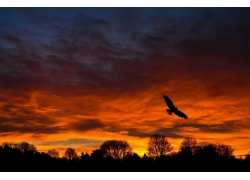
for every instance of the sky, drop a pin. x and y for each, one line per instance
(76, 77)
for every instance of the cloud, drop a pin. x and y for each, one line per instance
(87, 124)
(36, 129)
(177, 129)
(11, 38)
(72, 142)
(229, 126)
(168, 132)
(85, 59)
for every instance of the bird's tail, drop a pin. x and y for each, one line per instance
(169, 111)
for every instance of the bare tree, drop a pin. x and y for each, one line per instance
(70, 154)
(53, 153)
(225, 151)
(115, 149)
(158, 146)
(188, 146)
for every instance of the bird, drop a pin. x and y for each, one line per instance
(173, 109)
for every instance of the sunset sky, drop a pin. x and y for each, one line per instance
(76, 77)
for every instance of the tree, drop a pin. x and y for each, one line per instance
(53, 153)
(115, 149)
(24, 147)
(188, 146)
(247, 156)
(158, 146)
(97, 154)
(70, 154)
(9, 145)
(225, 151)
(210, 150)
(206, 150)
(132, 159)
(84, 156)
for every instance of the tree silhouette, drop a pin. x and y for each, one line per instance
(206, 150)
(225, 151)
(116, 155)
(188, 146)
(158, 146)
(26, 147)
(70, 154)
(210, 150)
(115, 149)
(247, 156)
(86, 155)
(10, 145)
(132, 157)
(53, 153)
(97, 154)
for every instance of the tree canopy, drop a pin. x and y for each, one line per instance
(115, 149)
(70, 154)
(158, 146)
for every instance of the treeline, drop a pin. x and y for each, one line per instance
(117, 155)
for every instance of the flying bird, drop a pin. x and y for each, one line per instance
(172, 108)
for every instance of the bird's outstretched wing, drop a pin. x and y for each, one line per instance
(169, 102)
(180, 114)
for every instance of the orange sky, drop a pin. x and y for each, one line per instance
(84, 122)
(103, 75)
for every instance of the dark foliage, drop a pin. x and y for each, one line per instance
(115, 149)
(206, 157)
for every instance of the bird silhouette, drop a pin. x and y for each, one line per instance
(173, 109)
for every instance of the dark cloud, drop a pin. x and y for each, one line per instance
(17, 116)
(228, 126)
(5, 134)
(87, 124)
(135, 132)
(27, 121)
(26, 128)
(176, 131)
(90, 58)
(11, 38)
(157, 45)
(168, 132)
(89, 23)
